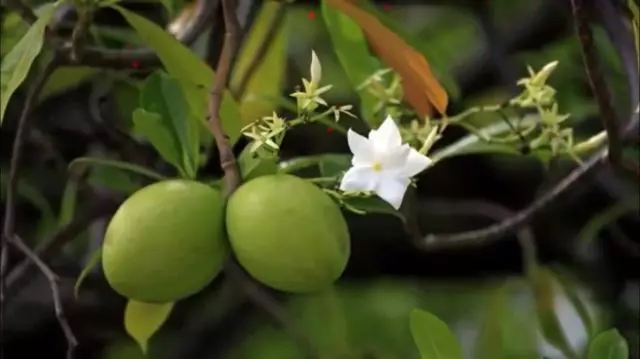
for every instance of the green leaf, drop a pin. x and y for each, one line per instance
(609, 345)
(16, 65)
(142, 320)
(253, 166)
(267, 77)
(65, 78)
(433, 337)
(163, 95)
(80, 161)
(113, 178)
(502, 336)
(543, 283)
(579, 304)
(152, 127)
(350, 46)
(474, 144)
(333, 165)
(373, 204)
(91, 264)
(184, 65)
(68, 202)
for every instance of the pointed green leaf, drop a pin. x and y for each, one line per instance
(91, 264)
(65, 78)
(142, 320)
(433, 337)
(164, 95)
(253, 166)
(350, 46)
(81, 161)
(609, 345)
(16, 65)
(184, 65)
(153, 128)
(373, 204)
(544, 291)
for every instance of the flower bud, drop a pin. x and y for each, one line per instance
(315, 68)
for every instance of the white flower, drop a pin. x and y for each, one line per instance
(382, 163)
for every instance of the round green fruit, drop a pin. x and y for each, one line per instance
(287, 233)
(165, 242)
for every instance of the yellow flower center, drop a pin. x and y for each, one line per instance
(377, 166)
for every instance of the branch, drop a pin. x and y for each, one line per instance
(519, 219)
(122, 59)
(8, 221)
(232, 177)
(228, 163)
(596, 80)
(100, 207)
(53, 280)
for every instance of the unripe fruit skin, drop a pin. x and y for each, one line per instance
(165, 242)
(287, 233)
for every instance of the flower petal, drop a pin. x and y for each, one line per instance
(360, 147)
(392, 190)
(359, 179)
(416, 163)
(387, 136)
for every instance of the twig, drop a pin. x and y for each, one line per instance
(513, 223)
(596, 80)
(8, 221)
(53, 280)
(122, 59)
(228, 163)
(232, 177)
(491, 210)
(258, 55)
(99, 208)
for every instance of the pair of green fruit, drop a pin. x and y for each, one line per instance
(168, 240)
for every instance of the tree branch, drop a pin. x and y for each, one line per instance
(8, 221)
(597, 82)
(53, 280)
(519, 219)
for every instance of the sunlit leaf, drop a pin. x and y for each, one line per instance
(88, 268)
(184, 65)
(268, 74)
(609, 345)
(350, 46)
(142, 320)
(16, 65)
(433, 337)
(421, 88)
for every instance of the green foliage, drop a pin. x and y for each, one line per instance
(350, 46)
(142, 320)
(166, 110)
(185, 66)
(433, 337)
(609, 345)
(77, 163)
(91, 264)
(17, 63)
(252, 166)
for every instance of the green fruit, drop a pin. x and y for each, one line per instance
(287, 233)
(165, 242)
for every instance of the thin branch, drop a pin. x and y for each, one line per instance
(232, 177)
(228, 163)
(490, 210)
(53, 280)
(99, 208)
(122, 59)
(519, 219)
(597, 81)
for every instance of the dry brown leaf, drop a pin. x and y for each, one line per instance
(421, 88)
